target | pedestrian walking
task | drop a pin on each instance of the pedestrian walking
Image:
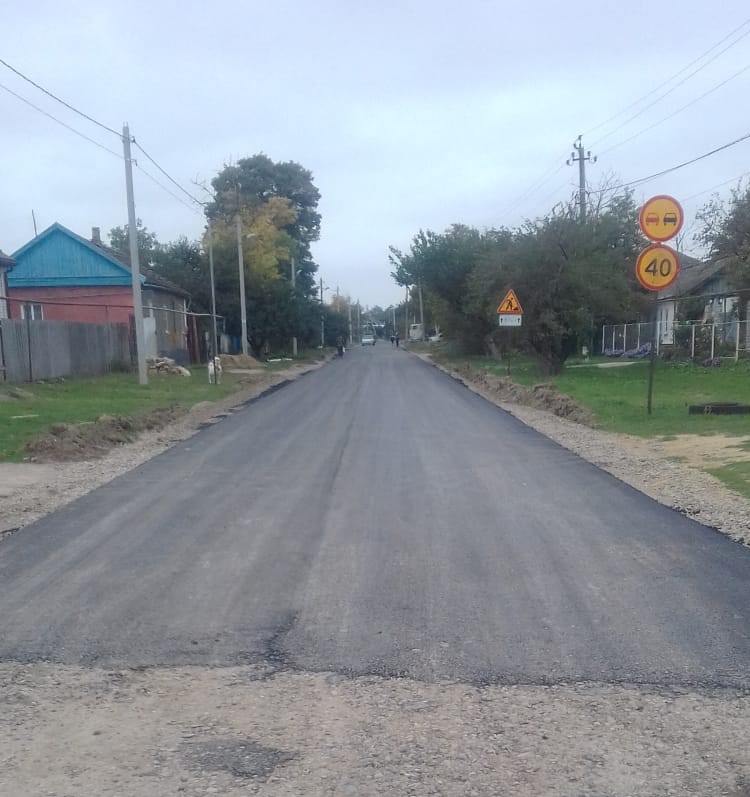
(397, 339)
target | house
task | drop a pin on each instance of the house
(705, 282)
(61, 276)
(6, 265)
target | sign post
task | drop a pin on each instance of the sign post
(510, 314)
(658, 266)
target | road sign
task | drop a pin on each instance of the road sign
(661, 218)
(507, 320)
(510, 305)
(657, 267)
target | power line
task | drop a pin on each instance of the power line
(56, 98)
(169, 177)
(679, 110)
(669, 80)
(688, 163)
(714, 187)
(55, 119)
(164, 188)
(653, 176)
(669, 91)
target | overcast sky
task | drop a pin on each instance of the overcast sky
(410, 114)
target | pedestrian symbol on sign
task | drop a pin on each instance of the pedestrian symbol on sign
(510, 305)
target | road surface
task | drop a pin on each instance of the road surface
(375, 519)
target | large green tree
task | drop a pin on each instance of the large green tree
(570, 278)
(726, 235)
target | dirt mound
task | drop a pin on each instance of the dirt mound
(239, 361)
(544, 396)
(74, 442)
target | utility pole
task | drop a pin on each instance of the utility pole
(241, 260)
(322, 318)
(294, 283)
(581, 159)
(359, 324)
(135, 268)
(214, 345)
(421, 307)
(350, 323)
(406, 315)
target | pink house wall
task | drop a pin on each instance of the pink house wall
(94, 305)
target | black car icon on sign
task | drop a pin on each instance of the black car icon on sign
(670, 218)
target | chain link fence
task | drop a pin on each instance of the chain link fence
(693, 340)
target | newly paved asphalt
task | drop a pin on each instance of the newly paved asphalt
(376, 517)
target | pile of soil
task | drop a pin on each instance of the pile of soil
(239, 361)
(66, 442)
(544, 396)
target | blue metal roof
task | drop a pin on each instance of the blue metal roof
(58, 257)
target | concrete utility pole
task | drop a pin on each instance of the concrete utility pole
(406, 315)
(294, 283)
(350, 322)
(214, 346)
(322, 318)
(359, 324)
(421, 307)
(241, 260)
(581, 160)
(135, 268)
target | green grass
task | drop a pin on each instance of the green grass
(736, 476)
(80, 400)
(618, 396)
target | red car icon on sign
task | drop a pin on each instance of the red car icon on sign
(670, 218)
(652, 218)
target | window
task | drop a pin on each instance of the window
(31, 311)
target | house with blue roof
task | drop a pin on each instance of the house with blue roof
(61, 276)
(6, 265)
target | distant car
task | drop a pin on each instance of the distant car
(670, 218)
(652, 218)
(368, 339)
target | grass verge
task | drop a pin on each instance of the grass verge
(28, 410)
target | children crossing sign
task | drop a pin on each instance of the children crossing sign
(509, 311)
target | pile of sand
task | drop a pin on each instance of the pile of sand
(243, 361)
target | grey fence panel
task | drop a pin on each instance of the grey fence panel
(49, 349)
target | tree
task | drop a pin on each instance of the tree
(119, 240)
(570, 277)
(252, 182)
(726, 234)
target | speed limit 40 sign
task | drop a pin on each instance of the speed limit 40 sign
(657, 267)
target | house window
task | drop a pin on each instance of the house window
(32, 312)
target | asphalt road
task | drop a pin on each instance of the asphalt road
(376, 517)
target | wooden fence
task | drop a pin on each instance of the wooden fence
(34, 350)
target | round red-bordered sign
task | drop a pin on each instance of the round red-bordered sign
(661, 218)
(657, 267)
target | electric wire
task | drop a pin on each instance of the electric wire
(668, 92)
(165, 189)
(674, 113)
(718, 185)
(169, 177)
(66, 126)
(669, 80)
(62, 102)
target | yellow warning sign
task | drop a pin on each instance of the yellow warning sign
(510, 305)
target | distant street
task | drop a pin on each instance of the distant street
(377, 518)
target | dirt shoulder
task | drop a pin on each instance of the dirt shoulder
(667, 471)
(77, 459)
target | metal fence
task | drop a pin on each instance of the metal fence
(688, 340)
(33, 350)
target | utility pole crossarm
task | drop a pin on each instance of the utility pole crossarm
(581, 159)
